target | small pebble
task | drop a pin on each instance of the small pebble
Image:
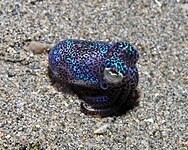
(1, 135)
(102, 129)
(149, 120)
(185, 144)
(158, 3)
(37, 126)
(38, 48)
(19, 104)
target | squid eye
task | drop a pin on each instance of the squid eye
(112, 76)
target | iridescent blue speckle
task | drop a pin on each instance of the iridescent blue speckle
(102, 74)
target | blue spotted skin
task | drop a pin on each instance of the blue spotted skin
(81, 64)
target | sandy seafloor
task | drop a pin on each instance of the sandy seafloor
(34, 115)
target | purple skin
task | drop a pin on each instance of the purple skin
(102, 75)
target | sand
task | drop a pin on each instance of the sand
(34, 115)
